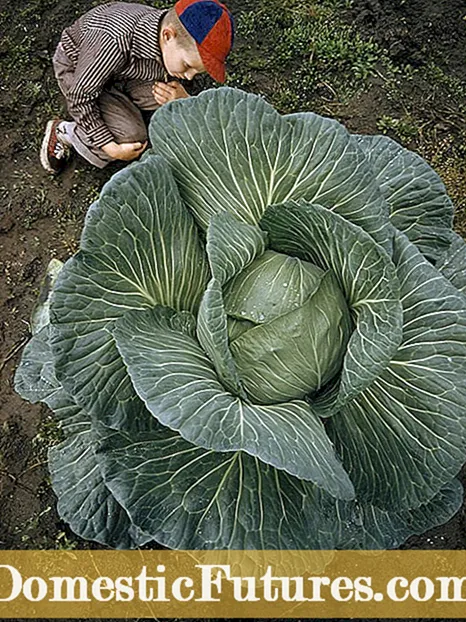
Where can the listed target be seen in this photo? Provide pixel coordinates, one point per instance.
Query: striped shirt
(112, 42)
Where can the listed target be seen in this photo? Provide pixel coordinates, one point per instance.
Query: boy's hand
(124, 151)
(164, 93)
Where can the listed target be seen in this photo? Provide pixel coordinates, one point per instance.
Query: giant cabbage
(261, 343)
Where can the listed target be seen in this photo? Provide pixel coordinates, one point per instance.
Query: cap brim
(214, 67)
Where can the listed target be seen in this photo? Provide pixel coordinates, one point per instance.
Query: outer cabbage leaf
(367, 279)
(140, 247)
(419, 205)
(35, 378)
(179, 385)
(230, 150)
(333, 172)
(369, 527)
(83, 499)
(40, 315)
(191, 498)
(36, 381)
(404, 437)
(452, 263)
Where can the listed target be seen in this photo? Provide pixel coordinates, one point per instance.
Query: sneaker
(54, 153)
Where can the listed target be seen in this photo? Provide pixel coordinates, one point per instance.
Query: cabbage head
(261, 343)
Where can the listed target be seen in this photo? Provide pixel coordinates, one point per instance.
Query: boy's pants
(121, 111)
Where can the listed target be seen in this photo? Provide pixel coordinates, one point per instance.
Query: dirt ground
(421, 103)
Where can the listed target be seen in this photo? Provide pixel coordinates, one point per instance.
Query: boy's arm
(99, 58)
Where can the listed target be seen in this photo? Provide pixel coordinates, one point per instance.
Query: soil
(413, 31)
(41, 217)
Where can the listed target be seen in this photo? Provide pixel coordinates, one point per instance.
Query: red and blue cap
(211, 25)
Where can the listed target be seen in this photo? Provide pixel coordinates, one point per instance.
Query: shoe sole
(44, 150)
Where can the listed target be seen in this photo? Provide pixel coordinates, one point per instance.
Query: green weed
(307, 50)
(406, 129)
(48, 434)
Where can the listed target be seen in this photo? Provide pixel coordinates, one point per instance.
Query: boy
(116, 60)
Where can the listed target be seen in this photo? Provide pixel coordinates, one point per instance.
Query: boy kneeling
(116, 60)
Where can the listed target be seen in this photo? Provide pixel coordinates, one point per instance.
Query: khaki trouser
(120, 107)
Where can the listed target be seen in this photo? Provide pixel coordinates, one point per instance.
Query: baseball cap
(210, 24)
